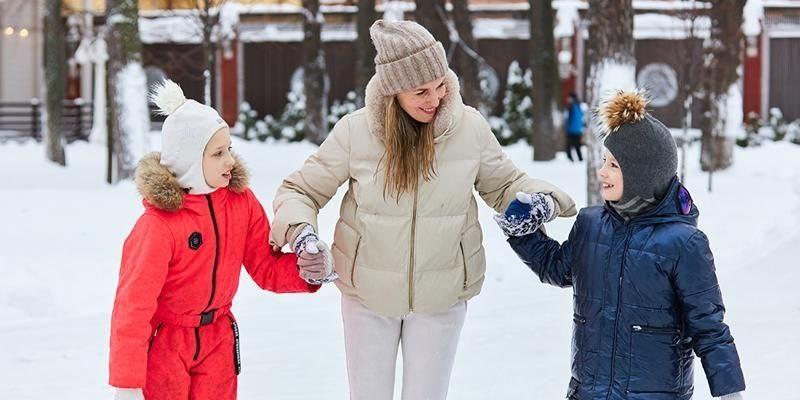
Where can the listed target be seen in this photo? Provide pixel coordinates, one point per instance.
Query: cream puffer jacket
(422, 252)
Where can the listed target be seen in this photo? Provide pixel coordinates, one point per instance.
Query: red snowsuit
(172, 332)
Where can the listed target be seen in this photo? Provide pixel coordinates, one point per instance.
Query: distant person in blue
(574, 126)
(646, 296)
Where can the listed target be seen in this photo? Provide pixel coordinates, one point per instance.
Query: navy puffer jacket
(646, 299)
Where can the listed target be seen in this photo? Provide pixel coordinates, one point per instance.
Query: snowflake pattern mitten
(526, 214)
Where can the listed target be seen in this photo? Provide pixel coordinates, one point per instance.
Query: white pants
(429, 343)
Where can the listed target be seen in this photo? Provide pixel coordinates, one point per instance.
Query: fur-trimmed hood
(160, 188)
(451, 108)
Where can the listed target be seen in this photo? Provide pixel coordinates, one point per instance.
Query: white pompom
(167, 96)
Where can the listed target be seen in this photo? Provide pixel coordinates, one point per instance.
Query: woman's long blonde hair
(410, 153)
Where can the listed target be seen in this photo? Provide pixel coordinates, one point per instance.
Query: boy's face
(218, 160)
(610, 178)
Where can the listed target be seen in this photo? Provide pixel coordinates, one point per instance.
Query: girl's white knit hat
(186, 131)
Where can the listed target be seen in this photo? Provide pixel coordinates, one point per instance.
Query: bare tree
(546, 83)
(314, 73)
(54, 75)
(365, 52)
(207, 20)
(128, 120)
(428, 13)
(723, 58)
(612, 66)
(468, 61)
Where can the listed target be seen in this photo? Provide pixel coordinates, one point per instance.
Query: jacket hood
(451, 108)
(159, 187)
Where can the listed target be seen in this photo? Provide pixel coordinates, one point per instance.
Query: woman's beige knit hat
(407, 56)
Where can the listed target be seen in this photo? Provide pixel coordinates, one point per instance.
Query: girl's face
(422, 102)
(218, 160)
(610, 178)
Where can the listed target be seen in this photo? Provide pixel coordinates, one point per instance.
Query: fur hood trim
(160, 188)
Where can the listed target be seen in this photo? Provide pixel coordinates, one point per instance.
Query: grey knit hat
(407, 56)
(644, 147)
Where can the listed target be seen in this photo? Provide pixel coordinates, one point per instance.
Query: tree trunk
(124, 52)
(546, 82)
(467, 55)
(54, 75)
(432, 14)
(208, 22)
(722, 110)
(365, 52)
(314, 74)
(612, 66)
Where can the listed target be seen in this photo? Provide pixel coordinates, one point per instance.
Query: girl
(173, 335)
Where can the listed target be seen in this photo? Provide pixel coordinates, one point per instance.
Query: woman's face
(610, 178)
(421, 103)
(218, 160)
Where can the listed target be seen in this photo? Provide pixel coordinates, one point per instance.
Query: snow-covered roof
(781, 3)
(173, 29)
(287, 32)
(661, 26)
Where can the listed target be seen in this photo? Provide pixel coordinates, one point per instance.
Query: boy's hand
(128, 394)
(314, 258)
(526, 214)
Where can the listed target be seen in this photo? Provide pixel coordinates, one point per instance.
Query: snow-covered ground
(62, 231)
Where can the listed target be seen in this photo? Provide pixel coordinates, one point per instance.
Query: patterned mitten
(526, 214)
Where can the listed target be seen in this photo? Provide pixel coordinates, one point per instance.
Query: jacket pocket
(464, 263)
(472, 256)
(654, 360)
(578, 350)
(353, 263)
(153, 336)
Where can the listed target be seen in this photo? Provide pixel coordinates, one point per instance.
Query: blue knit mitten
(526, 214)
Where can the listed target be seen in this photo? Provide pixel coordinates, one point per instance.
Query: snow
(661, 26)
(753, 14)
(669, 5)
(229, 19)
(284, 32)
(782, 3)
(134, 115)
(170, 29)
(567, 19)
(393, 10)
(613, 75)
(64, 228)
(733, 112)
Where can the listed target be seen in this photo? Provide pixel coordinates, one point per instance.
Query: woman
(407, 247)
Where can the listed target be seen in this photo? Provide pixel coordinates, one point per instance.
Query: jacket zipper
(655, 330)
(411, 262)
(213, 273)
(616, 319)
(216, 253)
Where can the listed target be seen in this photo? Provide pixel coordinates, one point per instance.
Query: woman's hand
(526, 214)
